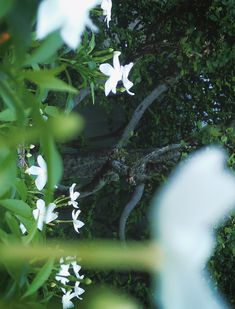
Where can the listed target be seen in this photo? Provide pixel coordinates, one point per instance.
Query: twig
(136, 197)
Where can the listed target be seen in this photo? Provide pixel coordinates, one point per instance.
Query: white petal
(77, 290)
(34, 170)
(23, 228)
(50, 215)
(71, 189)
(197, 197)
(50, 17)
(40, 181)
(66, 300)
(106, 69)
(42, 163)
(126, 82)
(76, 195)
(116, 63)
(39, 213)
(106, 6)
(110, 85)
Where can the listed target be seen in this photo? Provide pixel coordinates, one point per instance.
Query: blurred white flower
(63, 274)
(77, 290)
(66, 300)
(76, 269)
(106, 6)
(69, 16)
(197, 197)
(126, 82)
(23, 228)
(39, 171)
(116, 74)
(77, 224)
(44, 214)
(73, 196)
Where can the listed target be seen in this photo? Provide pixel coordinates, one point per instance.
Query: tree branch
(139, 112)
(136, 197)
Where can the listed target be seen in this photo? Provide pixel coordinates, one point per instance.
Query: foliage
(187, 46)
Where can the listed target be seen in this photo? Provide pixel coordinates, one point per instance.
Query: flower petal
(34, 170)
(42, 163)
(50, 215)
(47, 21)
(40, 182)
(106, 69)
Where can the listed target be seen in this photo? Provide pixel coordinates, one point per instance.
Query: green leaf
(18, 207)
(7, 115)
(5, 6)
(13, 224)
(21, 188)
(51, 111)
(7, 170)
(40, 278)
(45, 50)
(92, 86)
(11, 99)
(47, 80)
(91, 44)
(20, 21)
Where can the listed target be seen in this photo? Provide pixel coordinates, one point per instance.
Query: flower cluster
(65, 19)
(75, 213)
(46, 214)
(67, 265)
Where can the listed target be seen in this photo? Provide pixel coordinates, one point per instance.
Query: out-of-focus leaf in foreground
(105, 298)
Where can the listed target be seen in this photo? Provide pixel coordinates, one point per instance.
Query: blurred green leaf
(47, 80)
(13, 224)
(18, 207)
(20, 20)
(21, 188)
(40, 278)
(7, 170)
(5, 6)
(51, 111)
(45, 50)
(7, 115)
(12, 100)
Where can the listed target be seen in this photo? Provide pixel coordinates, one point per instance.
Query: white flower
(40, 171)
(66, 300)
(63, 274)
(106, 6)
(198, 196)
(126, 82)
(76, 269)
(116, 74)
(69, 16)
(77, 224)
(77, 290)
(44, 214)
(73, 196)
(23, 228)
